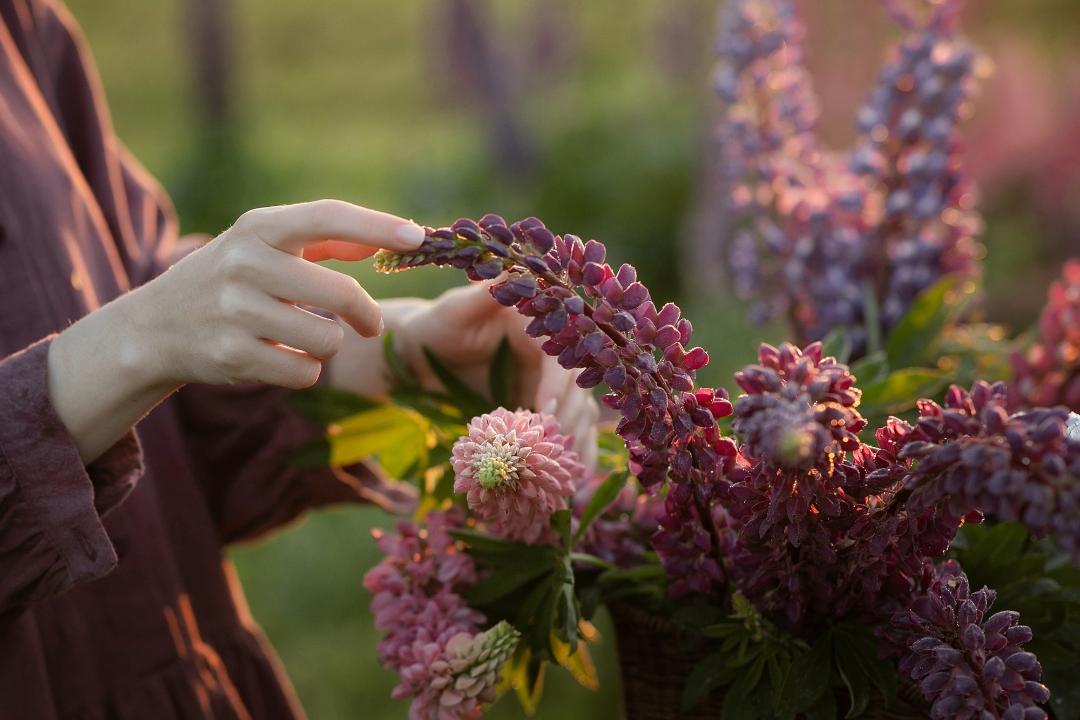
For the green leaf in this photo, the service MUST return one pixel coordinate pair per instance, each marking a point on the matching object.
(741, 702)
(497, 550)
(854, 679)
(871, 318)
(435, 407)
(899, 390)
(328, 405)
(313, 454)
(471, 402)
(856, 647)
(603, 497)
(870, 368)
(837, 344)
(822, 709)
(560, 523)
(913, 339)
(396, 437)
(401, 375)
(501, 378)
(707, 675)
(808, 677)
(508, 579)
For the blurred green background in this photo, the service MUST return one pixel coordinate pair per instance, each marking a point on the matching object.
(593, 116)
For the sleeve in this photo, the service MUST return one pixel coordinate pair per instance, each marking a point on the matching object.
(51, 505)
(241, 440)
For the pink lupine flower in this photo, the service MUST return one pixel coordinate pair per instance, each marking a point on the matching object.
(433, 638)
(515, 470)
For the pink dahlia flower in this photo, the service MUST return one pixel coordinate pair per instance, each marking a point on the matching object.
(516, 469)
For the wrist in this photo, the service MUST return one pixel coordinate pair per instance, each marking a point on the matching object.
(141, 341)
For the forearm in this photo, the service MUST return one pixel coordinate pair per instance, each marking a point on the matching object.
(101, 376)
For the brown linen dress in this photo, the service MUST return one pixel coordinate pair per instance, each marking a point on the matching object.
(116, 600)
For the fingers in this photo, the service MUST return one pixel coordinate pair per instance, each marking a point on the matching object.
(305, 283)
(337, 250)
(289, 325)
(292, 227)
(244, 358)
(467, 304)
(281, 366)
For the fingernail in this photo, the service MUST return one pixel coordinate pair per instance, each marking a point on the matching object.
(410, 234)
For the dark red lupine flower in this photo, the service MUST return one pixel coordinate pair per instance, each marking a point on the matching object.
(971, 455)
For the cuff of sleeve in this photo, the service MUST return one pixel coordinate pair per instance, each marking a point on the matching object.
(61, 496)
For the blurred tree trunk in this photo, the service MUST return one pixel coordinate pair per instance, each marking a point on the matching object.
(210, 30)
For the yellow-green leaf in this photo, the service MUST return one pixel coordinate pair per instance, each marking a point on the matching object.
(397, 438)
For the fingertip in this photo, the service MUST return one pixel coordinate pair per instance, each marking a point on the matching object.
(409, 235)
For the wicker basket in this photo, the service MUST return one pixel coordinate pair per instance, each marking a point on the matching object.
(656, 656)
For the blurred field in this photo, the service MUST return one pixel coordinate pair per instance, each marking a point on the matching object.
(354, 100)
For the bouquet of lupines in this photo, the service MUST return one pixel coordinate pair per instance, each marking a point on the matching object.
(900, 535)
(804, 564)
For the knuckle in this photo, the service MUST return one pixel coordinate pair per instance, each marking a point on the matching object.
(304, 375)
(321, 211)
(234, 306)
(229, 356)
(348, 294)
(235, 261)
(330, 338)
(250, 219)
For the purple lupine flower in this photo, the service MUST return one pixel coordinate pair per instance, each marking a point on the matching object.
(825, 236)
(516, 469)
(972, 455)
(603, 321)
(797, 205)
(1048, 372)
(432, 636)
(967, 664)
(909, 155)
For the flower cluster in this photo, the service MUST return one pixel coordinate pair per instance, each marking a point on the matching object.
(802, 486)
(1048, 373)
(446, 664)
(602, 321)
(804, 519)
(909, 154)
(798, 205)
(967, 665)
(832, 235)
(515, 470)
(971, 455)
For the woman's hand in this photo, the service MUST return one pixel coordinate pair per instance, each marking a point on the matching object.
(226, 313)
(464, 327)
(239, 295)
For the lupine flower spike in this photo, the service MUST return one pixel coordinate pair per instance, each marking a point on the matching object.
(967, 664)
(446, 664)
(1048, 373)
(602, 321)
